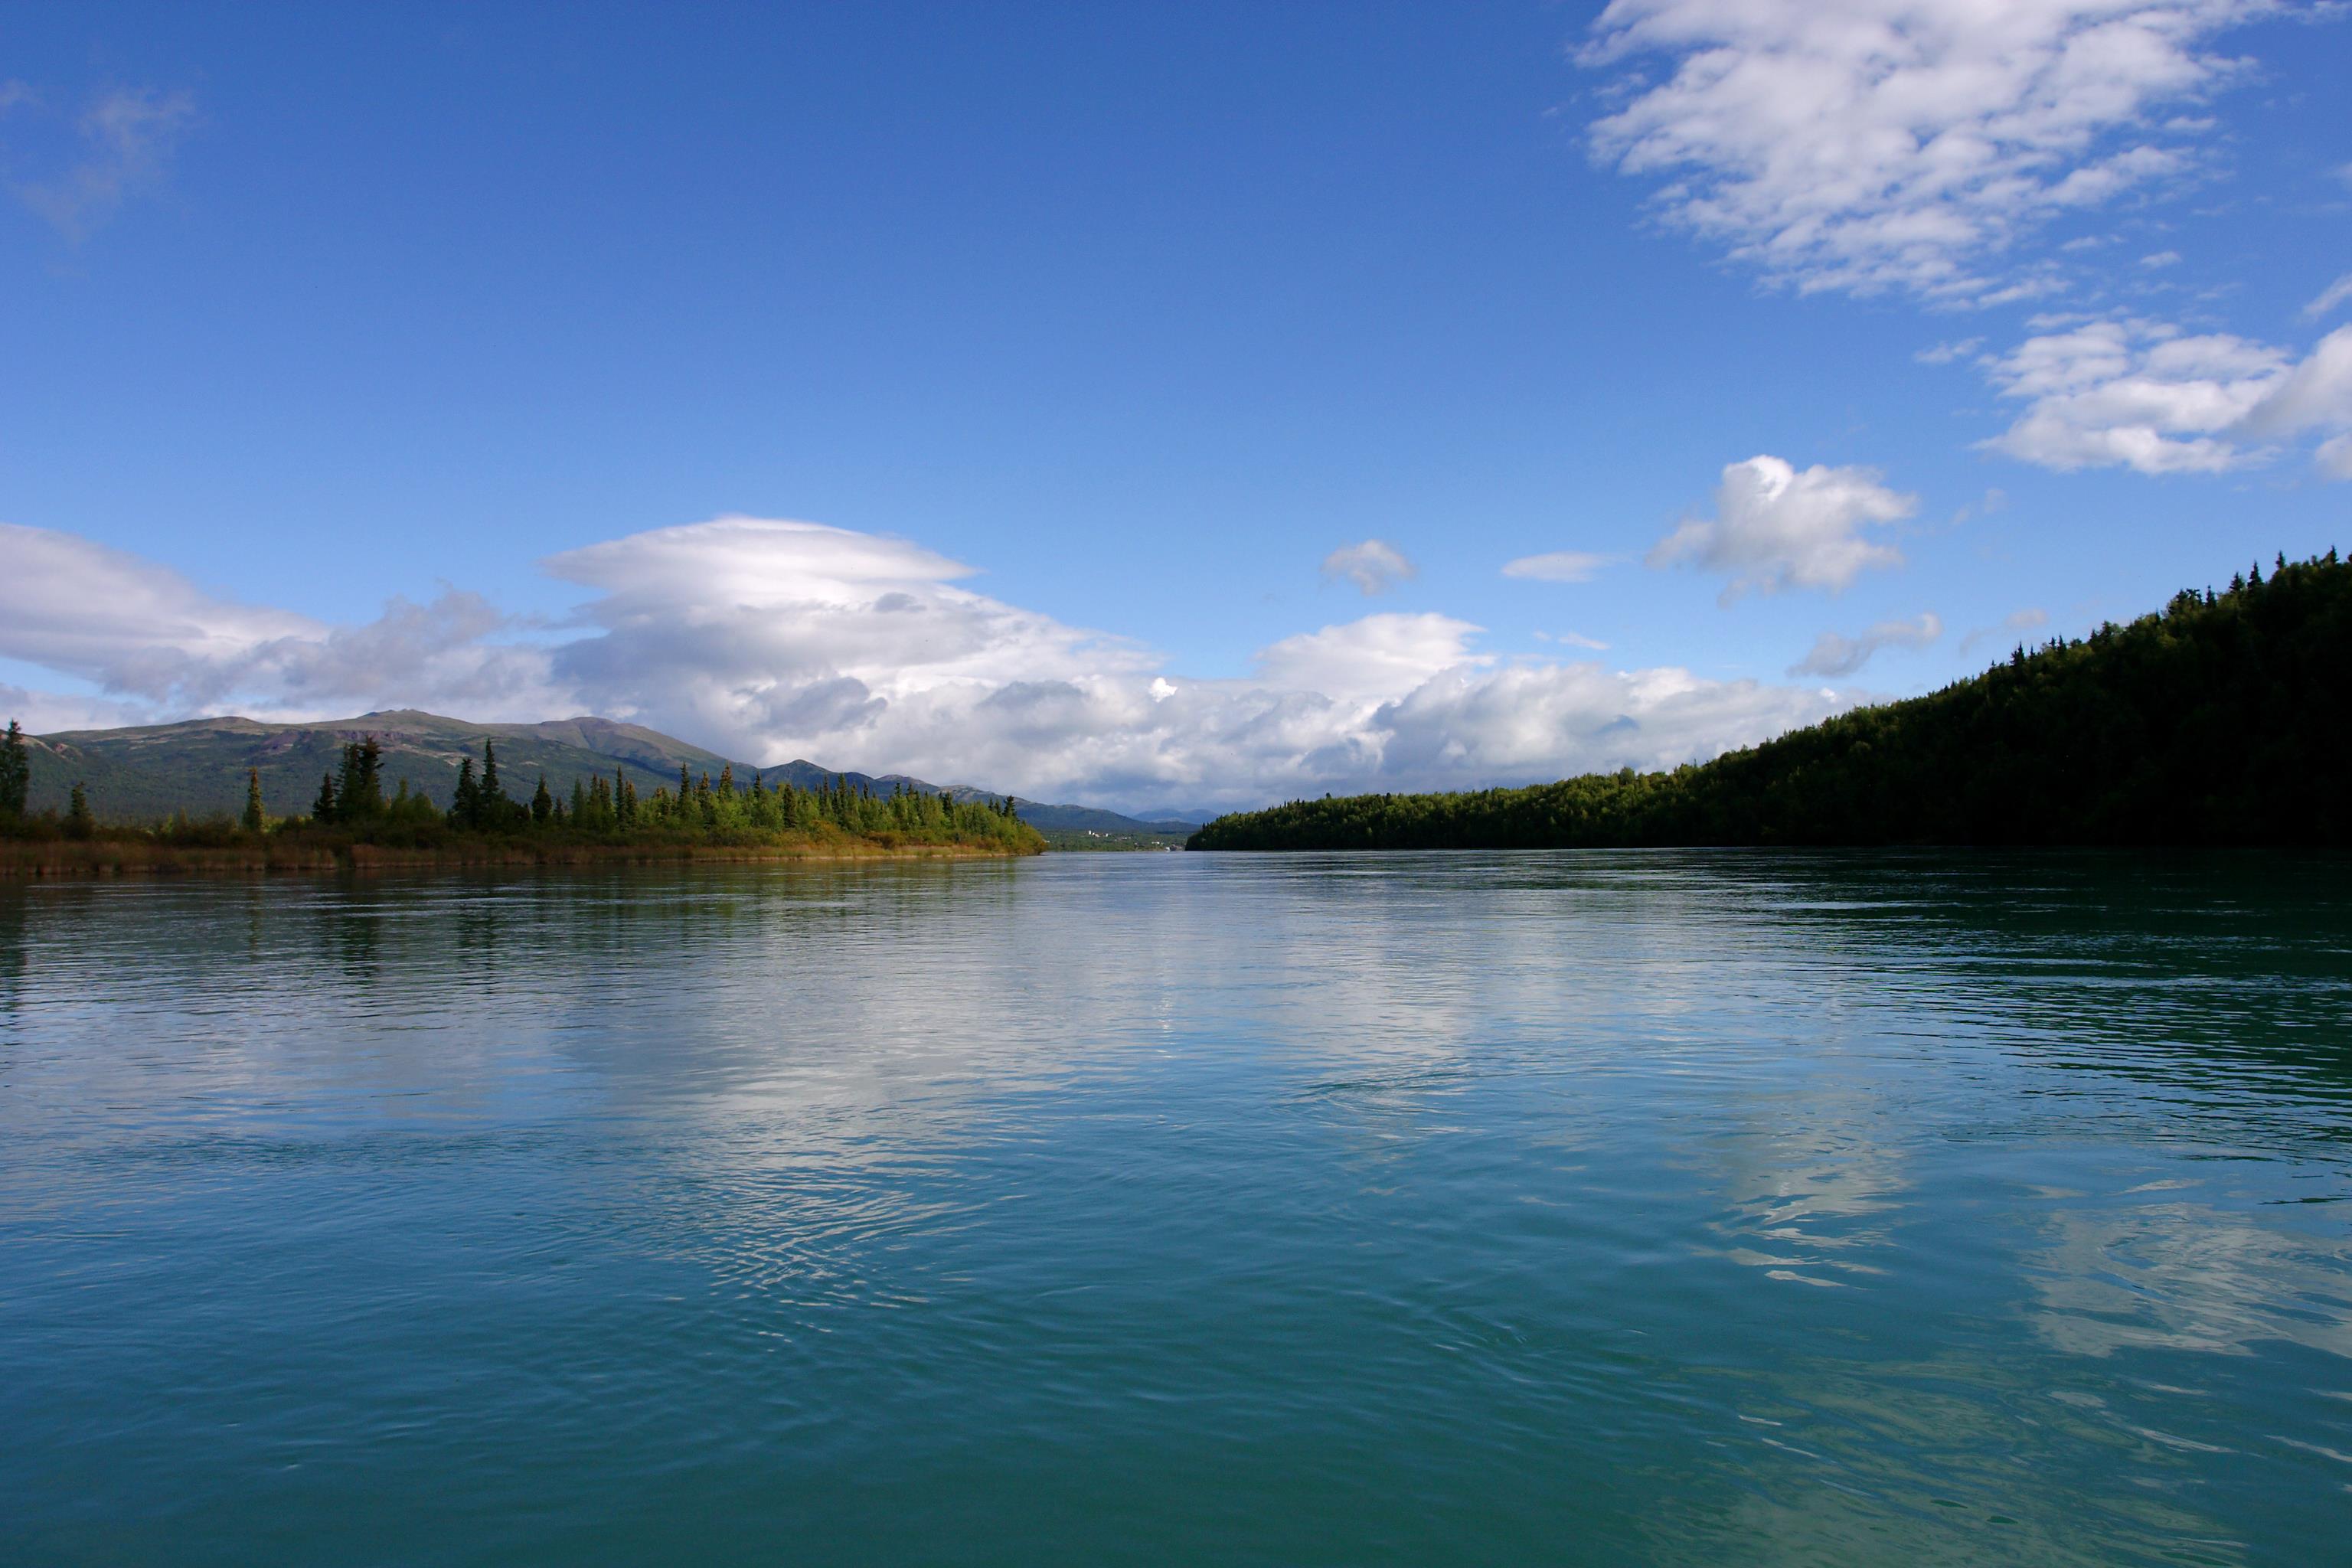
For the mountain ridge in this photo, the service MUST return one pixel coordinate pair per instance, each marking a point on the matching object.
(199, 766)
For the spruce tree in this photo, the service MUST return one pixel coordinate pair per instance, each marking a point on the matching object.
(78, 822)
(252, 820)
(323, 810)
(16, 773)
(367, 779)
(347, 782)
(542, 804)
(465, 800)
(493, 796)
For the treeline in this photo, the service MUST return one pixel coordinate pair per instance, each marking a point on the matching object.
(2225, 719)
(352, 804)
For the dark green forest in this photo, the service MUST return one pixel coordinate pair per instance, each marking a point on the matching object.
(353, 805)
(2224, 719)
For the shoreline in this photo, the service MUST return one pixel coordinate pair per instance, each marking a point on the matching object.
(56, 859)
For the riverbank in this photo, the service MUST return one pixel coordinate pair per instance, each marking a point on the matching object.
(104, 857)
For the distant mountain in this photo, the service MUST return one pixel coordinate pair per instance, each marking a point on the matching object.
(199, 766)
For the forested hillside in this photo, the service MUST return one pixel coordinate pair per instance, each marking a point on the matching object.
(2225, 719)
(357, 814)
(201, 767)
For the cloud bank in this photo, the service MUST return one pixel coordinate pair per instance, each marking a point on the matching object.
(772, 639)
(2143, 394)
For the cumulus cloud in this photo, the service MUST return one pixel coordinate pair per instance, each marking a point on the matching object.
(142, 632)
(126, 139)
(1834, 656)
(2160, 259)
(1557, 566)
(2146, 396)
(1373, 566)
(1777, 528)
(2315, 394)
(1520, 721)
(1377, 656)
(1874, 145)
(771, 639)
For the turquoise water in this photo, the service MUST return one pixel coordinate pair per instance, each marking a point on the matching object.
(1610, 1208)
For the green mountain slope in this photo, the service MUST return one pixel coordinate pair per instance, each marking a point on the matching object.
(199, 766)
(2225, 719)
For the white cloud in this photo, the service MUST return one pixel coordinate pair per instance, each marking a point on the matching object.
(1777, 528)
(1374, 567)
(1559, 566)
(2335, 294)
(2160, 259)
(1834, 656)
(770, 640)
(127, 138)
(144, 632)
(2145, 396)
(1378, 656)
(1875, 144)
(1525, 722)
(2015, 621)
(1573, 639)
(2315, 394)
(1944, 353)
(48, 712)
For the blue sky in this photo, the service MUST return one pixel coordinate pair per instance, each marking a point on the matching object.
(1148, 316)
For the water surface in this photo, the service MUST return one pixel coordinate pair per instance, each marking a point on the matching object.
(1606, 1208)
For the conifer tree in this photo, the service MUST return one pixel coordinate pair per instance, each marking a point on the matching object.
(542, 804)
(370, 780)
(15, 771)
(323, 810)
(465, 800)
(79, 821)
(252, 820)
